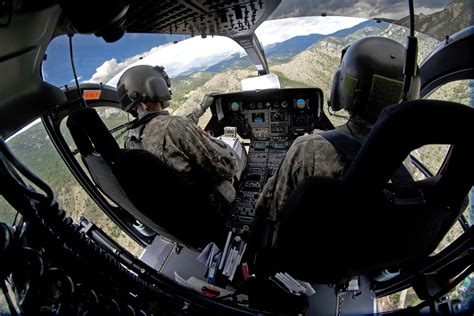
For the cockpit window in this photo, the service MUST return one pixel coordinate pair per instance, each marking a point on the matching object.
(7, 212)
(34, 148)
(432, 16)
(433, 156)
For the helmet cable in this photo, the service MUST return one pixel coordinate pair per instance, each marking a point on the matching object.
(81, 99)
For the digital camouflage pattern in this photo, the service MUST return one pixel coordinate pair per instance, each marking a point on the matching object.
(309, 155)
(186, 148)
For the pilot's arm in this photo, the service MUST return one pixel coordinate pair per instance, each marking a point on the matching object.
(211, 156)
(197, 111)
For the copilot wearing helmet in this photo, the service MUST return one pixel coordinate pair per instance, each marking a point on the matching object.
(145, 92)
(144, 85)
(369, 79)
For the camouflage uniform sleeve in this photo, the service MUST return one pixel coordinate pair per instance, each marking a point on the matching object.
(310, 155)
(213, 156)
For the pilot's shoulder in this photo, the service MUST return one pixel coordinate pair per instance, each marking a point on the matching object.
(181, 127)
(172, 122)
(179, 121)
(314, 139)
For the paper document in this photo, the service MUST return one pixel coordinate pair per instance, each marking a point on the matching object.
(236, 145)
(207, 255)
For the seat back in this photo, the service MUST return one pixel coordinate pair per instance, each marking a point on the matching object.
(145, 187)
(334, 229)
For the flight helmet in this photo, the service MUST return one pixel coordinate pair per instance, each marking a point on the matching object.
(143, 83)
(370, 78)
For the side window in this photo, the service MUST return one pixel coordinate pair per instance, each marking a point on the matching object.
(35, 149)
(113, 119)
(7, 212)
(433, 156)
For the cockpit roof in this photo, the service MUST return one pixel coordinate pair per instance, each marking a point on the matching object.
(233, 18)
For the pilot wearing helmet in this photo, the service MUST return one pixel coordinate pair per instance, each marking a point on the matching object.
(144, 91)
(369, 79)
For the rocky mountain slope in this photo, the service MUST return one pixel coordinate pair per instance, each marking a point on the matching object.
(313, 67)
(457, 15)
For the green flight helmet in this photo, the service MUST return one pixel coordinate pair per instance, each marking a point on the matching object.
(143, 83)
(370, 78)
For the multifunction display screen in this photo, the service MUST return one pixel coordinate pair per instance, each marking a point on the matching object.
(258, 117)
(279, 128)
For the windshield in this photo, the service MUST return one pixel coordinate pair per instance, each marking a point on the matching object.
(295, 28)
(301, 51)
(390, 9)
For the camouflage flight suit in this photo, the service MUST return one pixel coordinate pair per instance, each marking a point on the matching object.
(186, 148)
(309, 155)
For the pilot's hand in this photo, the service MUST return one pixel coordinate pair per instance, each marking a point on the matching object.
(207, 101)
(198, 111)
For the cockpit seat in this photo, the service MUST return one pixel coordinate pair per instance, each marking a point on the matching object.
(145, 187)
(332, 230)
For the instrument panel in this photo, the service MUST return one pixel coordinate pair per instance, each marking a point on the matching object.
(271, 119)
(273, 114)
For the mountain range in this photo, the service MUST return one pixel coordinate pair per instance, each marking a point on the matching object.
(457, 15)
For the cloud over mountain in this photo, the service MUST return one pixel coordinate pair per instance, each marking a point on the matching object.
(200, 54)
(360, 8)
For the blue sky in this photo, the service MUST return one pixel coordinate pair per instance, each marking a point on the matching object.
(90, 51)
(97, 61)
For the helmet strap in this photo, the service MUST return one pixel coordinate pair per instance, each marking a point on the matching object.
(333, 113)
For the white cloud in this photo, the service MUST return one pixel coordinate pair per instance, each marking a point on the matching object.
(198, 53)
(177, 58)
(277, 31)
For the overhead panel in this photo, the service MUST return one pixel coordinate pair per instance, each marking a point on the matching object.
(198, 17)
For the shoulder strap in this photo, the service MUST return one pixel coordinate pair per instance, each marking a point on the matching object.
(143, 120)
(135, 141)
(346, 145)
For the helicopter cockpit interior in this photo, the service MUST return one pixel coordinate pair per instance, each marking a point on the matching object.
(341, 245)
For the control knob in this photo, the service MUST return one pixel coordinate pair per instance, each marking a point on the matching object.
(236, 121)
(300, 121)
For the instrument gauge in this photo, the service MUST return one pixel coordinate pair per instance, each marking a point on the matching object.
(300, 103)
(235, 106)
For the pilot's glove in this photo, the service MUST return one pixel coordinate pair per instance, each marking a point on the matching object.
(205, 104)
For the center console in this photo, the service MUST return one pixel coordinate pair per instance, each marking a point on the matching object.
(271, 120)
